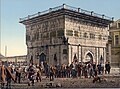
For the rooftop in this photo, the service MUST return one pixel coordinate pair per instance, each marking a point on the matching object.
(68, 11)
(66, 7)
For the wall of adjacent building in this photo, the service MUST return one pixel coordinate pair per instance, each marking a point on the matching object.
(115, 48)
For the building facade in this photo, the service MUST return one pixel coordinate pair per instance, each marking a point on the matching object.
(115, 45)
(64, 34)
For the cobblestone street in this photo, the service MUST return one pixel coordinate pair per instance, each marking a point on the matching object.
(111, 82)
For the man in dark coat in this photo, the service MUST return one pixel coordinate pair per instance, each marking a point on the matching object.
(31, 74)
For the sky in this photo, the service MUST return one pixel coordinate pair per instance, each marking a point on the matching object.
(13, 32)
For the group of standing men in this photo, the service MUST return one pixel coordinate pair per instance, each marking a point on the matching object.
(76, 69)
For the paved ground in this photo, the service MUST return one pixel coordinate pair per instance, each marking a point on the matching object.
(112, 81)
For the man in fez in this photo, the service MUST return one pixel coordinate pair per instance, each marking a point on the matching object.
(5, 76)
(9, 76)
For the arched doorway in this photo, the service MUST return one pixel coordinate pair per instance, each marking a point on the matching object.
(88, 58)
(42, 57)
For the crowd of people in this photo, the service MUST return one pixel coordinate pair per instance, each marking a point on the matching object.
(75, 69)
(34, 72)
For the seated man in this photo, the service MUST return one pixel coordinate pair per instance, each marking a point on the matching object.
(96, 78)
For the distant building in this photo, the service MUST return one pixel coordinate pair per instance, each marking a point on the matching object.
(15, 59)
(65, 34)
(115, 46)
(1, 56)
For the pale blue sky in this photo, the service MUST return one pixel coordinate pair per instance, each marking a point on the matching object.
(13, 33)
